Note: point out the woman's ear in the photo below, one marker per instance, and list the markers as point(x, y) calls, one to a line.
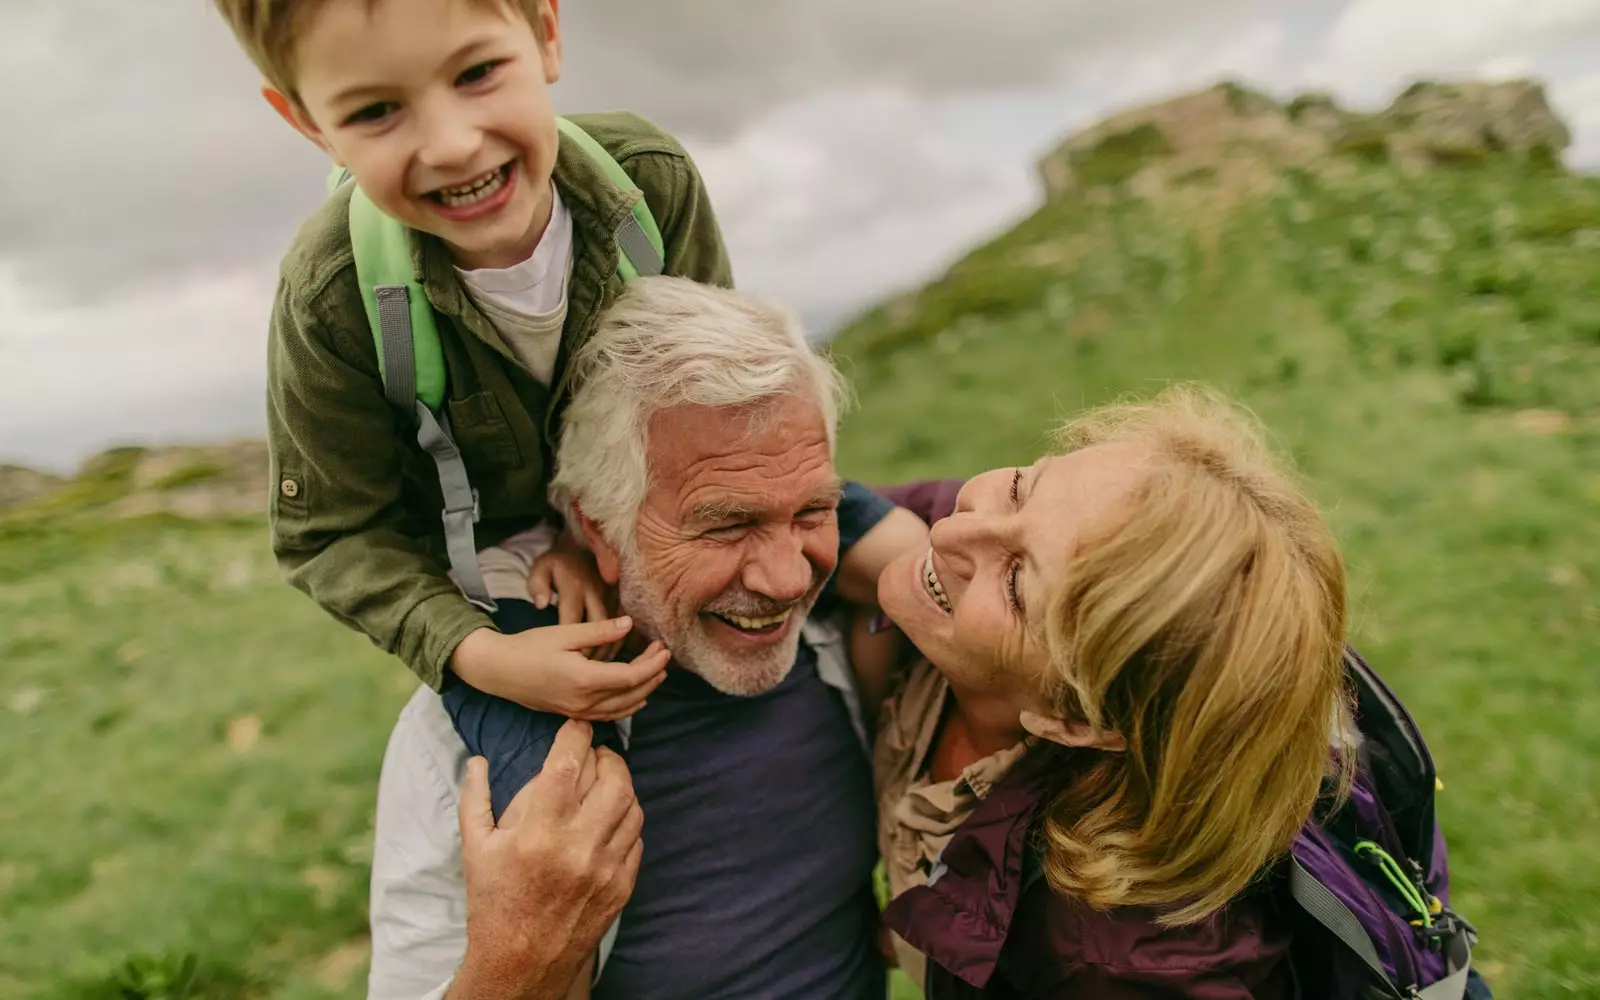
point(1071, 734)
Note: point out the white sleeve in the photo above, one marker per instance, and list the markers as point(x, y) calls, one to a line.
point(505, 566)
point(419, 894)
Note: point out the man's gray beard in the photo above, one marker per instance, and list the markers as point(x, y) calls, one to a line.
point(741, 675)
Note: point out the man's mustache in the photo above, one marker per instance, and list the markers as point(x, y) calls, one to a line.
point(742, 603)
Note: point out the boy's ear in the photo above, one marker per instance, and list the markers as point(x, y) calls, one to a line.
point(1071, 734)
point(290, 111)
point(550, 24)
point(606, 557)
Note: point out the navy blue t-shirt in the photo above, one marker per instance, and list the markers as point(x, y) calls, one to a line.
point(758, 848)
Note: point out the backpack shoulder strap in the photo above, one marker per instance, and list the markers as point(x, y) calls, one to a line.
point(411, 362)
point(638, 237)
point(398, 312)
point(1328, 910)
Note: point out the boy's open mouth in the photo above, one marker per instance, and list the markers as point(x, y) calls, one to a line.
point(475, 190)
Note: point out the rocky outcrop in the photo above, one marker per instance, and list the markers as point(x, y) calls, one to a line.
point(19, 486)
point(194, 481)
point(1237, 138)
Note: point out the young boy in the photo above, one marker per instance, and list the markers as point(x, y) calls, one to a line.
point(440, 110)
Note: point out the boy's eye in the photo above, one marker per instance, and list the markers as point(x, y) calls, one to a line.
point(475, 74)
point(371, 113)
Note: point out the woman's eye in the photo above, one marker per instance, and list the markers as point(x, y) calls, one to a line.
point(475, 74)
point(1016, 486)
point(372, 113)
point(1011, 587)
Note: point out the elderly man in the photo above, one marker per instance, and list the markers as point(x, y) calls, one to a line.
point(697, 459)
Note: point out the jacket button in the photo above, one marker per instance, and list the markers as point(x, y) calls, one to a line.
point(289, 488)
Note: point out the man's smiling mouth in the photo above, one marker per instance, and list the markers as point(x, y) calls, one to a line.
point(756, 626)
point(475, 190)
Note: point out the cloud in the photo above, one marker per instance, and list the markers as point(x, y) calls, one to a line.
point(710, 65)
point(1374, 43)
point(835, 200)
point(179, 363)
point(1577, 100)
point(142, 150)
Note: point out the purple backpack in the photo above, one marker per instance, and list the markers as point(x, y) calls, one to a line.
point(1370, 882)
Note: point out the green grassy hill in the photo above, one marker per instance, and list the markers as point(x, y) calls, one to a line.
point(193, 747)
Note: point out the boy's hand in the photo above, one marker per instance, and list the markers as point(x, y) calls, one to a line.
point(566, 572)
point(545, 669)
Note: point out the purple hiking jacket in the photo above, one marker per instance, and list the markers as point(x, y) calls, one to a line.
point(975, 918)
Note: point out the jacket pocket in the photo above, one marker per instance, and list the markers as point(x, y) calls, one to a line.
point(483, 434)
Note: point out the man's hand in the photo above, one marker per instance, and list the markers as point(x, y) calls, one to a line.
point(543, 886)
point(545, 670)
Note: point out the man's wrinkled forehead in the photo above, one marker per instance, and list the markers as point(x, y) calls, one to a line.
point(713, 462)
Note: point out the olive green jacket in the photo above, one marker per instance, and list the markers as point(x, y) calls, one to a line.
point(355, 510)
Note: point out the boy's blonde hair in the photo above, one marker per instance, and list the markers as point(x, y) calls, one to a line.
point(268, 30)
point(1208, 630)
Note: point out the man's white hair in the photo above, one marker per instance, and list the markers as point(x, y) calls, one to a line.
point(667, 342)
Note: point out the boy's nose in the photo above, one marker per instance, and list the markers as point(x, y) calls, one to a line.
point(449, 141)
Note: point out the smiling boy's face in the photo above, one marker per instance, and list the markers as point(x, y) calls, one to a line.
point(441, 110)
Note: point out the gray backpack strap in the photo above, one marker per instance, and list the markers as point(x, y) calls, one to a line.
point(399, 365)
point(635, 243)
point(1329, 911)
point(1458, 952)
point(460, 499)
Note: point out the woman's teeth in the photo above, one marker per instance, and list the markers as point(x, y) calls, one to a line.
point(467, 194)
point(757, 624)
point(930, 580)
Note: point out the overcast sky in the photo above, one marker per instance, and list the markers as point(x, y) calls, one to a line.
point(852, 147)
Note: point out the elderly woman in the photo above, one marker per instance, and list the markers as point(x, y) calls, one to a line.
point(1132, 660)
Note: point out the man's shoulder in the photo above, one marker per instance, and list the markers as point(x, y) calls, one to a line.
point(320, 252)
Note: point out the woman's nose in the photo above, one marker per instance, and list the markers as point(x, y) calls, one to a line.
point(958, 539)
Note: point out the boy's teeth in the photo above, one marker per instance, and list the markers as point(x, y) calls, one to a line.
point(479, 189)
point(930, 579)
point(751, 624)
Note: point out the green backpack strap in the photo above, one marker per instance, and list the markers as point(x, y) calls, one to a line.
point(640, 250)
point(411, 362)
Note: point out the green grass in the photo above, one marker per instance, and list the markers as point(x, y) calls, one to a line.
point(193, 747)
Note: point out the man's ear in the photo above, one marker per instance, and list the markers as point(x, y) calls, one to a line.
point(1071, 734)
point(290, 111)
point(550, 24)
point(606, 557)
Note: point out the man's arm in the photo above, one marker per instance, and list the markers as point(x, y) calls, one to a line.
point(543, 885)
point(466, 909)
point(340, 529)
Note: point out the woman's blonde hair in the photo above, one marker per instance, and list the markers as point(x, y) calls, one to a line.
point(1208, 630)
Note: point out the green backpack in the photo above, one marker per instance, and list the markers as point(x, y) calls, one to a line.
point(411, 359)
